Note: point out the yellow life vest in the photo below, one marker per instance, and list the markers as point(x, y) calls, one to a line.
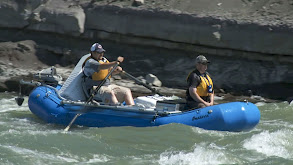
point(202, 88)
point(101, 74)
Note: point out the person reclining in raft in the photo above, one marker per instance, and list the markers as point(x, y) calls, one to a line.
point(96, 68)
point(200, 91)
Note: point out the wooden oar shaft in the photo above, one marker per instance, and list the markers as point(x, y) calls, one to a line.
point(72, 121)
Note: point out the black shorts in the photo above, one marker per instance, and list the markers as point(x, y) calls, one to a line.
point(191, 104)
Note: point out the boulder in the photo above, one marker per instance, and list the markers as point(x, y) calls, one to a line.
point(138, 2)
point(58, 17)
point(152, 79)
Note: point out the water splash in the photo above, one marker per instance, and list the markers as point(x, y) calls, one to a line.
point(259, 104)
point(9, 104)
point(39, 157)
point(278, 143)
point(201, 154)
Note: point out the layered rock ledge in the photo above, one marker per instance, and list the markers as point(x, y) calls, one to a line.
point(248, 42)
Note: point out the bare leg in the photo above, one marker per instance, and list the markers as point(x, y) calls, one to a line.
point(129, 98)
point(113, 99)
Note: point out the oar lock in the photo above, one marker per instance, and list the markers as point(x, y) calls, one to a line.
point(209, 111)
point(48, 93)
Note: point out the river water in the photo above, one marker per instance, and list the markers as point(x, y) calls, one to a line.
point(25, 139)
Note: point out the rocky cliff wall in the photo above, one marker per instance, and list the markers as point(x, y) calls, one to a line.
point(248, 49)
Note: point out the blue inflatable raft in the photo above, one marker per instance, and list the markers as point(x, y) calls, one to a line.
point(47, 104)
point(61, 104)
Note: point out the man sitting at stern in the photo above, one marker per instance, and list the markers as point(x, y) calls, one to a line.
point(200, 91)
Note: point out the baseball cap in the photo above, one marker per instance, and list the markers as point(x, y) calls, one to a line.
point(201, 59)
point(96, 47)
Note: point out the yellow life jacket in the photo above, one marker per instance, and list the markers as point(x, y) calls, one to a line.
point(101, 74)
point(202, 88)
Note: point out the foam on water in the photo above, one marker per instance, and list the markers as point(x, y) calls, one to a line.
point(277, 124)
point(274, 106)
point(201, 154)
point(37, 156)
point(40, 157)
point(24, 127)
point(216, 134)
point(208, 132)
point(99, 159)
point(29, 132)
point(259, 104)
point(9, 104)
point(278, 143)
